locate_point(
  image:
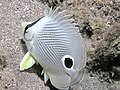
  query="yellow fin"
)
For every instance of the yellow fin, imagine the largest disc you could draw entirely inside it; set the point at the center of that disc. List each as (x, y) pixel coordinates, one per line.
(27, 62)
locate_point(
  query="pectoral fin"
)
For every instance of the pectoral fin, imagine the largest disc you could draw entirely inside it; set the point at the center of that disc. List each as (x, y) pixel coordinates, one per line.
(27, 62)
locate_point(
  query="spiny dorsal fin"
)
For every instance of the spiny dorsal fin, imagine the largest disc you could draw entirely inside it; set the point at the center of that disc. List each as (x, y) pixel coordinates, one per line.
(55, 14)
(63, 20)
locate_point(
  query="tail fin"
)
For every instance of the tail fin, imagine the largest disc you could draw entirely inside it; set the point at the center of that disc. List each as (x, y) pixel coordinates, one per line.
(77, 78)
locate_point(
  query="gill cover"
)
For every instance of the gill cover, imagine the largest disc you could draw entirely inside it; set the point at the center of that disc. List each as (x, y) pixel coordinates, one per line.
(58, 47)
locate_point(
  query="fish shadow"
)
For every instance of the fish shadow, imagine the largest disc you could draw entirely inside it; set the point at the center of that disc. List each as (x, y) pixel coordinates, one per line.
(37, 69)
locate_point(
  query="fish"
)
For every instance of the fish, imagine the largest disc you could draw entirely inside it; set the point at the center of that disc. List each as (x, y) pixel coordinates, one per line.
(54, 43)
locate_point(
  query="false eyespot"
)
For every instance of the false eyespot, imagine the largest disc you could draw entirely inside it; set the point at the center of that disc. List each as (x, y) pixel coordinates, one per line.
(68, 62)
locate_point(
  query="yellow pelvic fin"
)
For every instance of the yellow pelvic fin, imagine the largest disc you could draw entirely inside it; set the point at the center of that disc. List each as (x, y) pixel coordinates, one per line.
(27, 62)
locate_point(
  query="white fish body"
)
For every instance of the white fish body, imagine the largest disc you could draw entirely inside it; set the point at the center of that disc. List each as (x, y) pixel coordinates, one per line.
(58, 47)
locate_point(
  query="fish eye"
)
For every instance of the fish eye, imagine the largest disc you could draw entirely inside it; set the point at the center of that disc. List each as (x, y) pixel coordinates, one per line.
(30, 25)
(68, 61)
(28, 35)
(26, 29)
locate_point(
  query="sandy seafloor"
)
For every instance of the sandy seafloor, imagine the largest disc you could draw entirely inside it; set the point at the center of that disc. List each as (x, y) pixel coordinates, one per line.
(12, 13)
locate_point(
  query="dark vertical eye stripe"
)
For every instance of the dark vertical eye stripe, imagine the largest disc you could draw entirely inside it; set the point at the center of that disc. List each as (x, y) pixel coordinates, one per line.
(30, 25)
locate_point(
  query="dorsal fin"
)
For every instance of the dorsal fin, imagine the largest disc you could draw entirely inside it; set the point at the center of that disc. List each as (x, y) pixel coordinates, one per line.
(55, 14)
(62, 19)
